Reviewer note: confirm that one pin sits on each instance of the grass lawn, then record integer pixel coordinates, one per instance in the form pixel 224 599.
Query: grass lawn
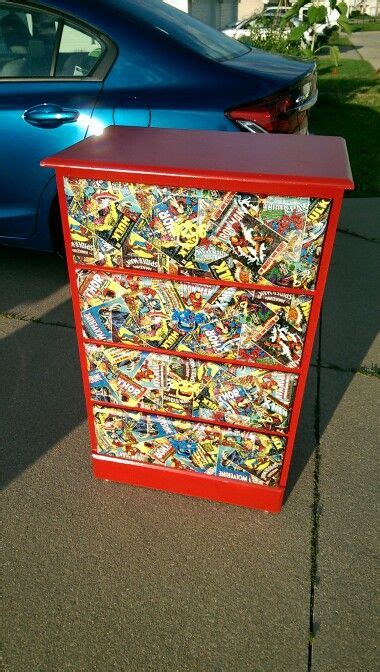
pixel 341 40
pixel 369 25
pixel 349 106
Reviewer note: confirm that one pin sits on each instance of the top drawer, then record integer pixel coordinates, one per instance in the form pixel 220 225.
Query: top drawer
pixel 197 232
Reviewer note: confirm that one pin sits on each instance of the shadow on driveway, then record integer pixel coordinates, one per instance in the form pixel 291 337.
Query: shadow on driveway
pixel 41 382
pixel 41 390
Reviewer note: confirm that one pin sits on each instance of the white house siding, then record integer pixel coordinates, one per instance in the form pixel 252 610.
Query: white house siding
pixel 204 10
pixel 228 13
pixel 179 4
pixel 248 7
pixel 215 12
pixel 369 7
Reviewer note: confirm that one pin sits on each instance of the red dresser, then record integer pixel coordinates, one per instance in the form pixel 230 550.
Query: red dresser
pixel 197 265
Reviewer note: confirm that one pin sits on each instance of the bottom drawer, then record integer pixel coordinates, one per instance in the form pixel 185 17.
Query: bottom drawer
pixel 177 444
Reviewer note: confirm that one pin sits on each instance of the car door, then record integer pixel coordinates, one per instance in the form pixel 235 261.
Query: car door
pixel 51 74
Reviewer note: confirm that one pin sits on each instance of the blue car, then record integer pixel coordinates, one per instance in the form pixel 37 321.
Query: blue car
pixel 68 69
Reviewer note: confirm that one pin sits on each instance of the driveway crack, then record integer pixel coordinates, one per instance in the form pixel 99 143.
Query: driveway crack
pixel 35 320
pixel 359 235
pixel 316 505
pixel 372 370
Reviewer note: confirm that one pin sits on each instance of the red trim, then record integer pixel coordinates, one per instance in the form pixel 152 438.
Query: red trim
pixel 281 186
pixel 189 483
pixel 195 280
pixel 189 418
pixel 310 332
pixel 203 154
pixel 190 355
pixel 183 177
pixel 76 307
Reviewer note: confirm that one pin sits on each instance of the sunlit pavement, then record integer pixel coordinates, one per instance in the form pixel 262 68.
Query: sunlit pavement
pixel 100 576
pixel 367 45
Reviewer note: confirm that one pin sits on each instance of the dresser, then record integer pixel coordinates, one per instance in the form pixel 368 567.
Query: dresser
pixel 197 264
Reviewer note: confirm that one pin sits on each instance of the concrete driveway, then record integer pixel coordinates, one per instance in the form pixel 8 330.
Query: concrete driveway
pixel 367 45
pixel 101 577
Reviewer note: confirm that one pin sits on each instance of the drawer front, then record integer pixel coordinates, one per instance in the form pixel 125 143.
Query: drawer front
pixel 179 444
pixel 185 386
pixel 231 236
pixel 228 322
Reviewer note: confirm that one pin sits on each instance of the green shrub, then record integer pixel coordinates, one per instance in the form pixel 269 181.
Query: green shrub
pixel 274 40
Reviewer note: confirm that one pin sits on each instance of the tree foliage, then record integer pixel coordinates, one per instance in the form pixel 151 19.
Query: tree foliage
pixel 318 13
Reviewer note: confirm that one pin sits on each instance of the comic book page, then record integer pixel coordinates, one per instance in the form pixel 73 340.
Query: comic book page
pixel 268 240
pixel 209 390
pixel 178 444
pixel 228 322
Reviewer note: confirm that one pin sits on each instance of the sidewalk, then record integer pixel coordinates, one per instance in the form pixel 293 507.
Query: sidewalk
pixel 103 577
pixel 365 45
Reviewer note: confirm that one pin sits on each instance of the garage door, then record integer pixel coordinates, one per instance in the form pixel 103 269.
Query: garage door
pixel 217 13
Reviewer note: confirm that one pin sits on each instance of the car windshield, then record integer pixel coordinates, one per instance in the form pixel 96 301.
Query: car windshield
pixel 188 31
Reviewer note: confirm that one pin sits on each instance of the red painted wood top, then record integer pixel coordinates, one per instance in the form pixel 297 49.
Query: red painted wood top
pixel 313 159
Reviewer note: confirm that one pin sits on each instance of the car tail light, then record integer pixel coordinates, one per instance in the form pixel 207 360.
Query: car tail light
pixel 281 113
pixel 265 117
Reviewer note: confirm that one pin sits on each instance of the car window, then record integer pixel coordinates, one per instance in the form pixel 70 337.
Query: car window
pixel 29 46
pixel 78 54
pixel 27 41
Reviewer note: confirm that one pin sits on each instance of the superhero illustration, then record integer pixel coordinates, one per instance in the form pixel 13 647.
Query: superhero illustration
pixel 180 444
pixel 261 326
pixel 263 239
pixel 185 386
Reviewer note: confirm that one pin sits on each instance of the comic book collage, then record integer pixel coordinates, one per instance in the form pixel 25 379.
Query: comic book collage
pixel 149 232
pixel 228 322
pixel 195 446
pixel 185 386
pixel 267 240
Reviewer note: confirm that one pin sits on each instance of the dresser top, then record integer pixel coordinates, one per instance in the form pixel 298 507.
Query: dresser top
pixel 300 159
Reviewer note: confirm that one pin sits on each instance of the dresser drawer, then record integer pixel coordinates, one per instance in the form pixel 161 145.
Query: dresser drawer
pixel 239 395
pixel 211 320
pixel 180 444
pixel 231 236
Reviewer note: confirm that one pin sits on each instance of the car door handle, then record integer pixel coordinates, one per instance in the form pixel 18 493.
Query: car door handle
pixel 49 115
